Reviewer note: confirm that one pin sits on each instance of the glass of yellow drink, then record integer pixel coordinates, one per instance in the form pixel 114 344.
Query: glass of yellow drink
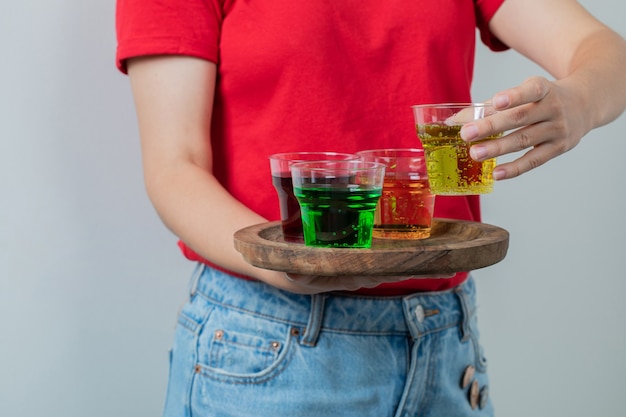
pixel 451 170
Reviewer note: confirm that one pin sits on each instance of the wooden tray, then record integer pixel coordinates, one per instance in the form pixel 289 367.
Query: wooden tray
pixel 453 246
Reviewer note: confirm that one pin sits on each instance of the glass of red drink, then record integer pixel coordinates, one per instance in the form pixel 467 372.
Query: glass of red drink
pixel 405 208
pixel 280 164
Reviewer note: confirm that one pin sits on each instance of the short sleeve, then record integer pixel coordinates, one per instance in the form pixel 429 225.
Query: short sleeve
pixel 167 27
pixel 485 9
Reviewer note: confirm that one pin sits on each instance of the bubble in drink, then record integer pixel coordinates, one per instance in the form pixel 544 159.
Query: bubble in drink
pixel 451 170
pixel 338 216
pixel 404 209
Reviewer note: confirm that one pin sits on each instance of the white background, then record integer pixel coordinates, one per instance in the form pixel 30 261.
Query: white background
pixel 90 280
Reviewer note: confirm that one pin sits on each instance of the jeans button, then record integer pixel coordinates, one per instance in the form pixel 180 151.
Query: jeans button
pixel 468 376
pixel 473 395
pixel 419 313
pixel 484 397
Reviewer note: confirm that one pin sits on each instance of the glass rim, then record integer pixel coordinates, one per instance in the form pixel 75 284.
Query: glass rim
pixel 280 156
pixel 357 165
pixel 450 105
pixel 366 151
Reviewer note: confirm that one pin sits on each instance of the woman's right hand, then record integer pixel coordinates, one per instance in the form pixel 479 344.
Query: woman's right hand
pixel 314 284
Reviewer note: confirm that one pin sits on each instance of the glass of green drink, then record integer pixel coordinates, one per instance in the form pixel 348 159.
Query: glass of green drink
pixel 451 170
pixel 338 201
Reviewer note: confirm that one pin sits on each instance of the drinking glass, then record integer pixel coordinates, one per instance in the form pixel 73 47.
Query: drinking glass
pixel 451 170
pixel 405 208
pixel 281 179
pixel 338 200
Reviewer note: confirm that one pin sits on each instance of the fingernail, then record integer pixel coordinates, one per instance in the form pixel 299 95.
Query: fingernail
pixel 469 132
pixel 498 174
pixel 501 100
pixel 478 153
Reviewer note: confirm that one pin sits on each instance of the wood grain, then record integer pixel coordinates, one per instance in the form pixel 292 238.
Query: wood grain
pixel 453 246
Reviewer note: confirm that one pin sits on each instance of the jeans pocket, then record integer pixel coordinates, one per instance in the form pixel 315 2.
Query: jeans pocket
pixel 237 347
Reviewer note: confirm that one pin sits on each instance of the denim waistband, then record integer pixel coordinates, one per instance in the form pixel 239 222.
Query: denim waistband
pixel 417 314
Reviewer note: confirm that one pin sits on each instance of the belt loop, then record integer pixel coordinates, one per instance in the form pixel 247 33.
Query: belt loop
pixel 316 316
pixel 462 295
pixel 195 277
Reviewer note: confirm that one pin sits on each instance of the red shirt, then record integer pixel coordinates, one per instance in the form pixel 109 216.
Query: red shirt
pixel 312 75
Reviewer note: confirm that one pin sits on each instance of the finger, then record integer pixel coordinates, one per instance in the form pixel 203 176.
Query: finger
pixel 504 121
pixel 532 159
pixel 524 138
pixel 312 284
pixel 439 276
pixel 515 141
pixel 321 283
pixel 518 107
pixel 530 91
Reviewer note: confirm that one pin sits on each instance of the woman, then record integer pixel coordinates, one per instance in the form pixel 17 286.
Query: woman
pixel 221 85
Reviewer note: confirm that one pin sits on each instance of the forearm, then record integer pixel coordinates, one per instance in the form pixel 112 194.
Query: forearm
pixel 582 54
pixel 197 209
pixel 173 97
pixel 598 72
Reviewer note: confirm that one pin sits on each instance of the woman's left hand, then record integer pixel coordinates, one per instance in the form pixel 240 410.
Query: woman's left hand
pixel 544 118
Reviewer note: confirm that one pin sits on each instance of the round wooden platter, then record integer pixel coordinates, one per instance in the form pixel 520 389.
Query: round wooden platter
pixel 453 246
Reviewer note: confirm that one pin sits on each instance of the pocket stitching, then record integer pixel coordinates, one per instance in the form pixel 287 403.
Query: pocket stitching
pixel 267 374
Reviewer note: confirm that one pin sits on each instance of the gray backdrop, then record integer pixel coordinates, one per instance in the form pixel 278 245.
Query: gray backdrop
pixel 90 281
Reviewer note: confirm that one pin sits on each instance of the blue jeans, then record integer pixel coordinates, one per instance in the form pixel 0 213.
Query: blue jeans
pixel 243 348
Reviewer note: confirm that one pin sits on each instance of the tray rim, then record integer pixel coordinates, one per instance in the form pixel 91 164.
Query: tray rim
pixel 498 239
